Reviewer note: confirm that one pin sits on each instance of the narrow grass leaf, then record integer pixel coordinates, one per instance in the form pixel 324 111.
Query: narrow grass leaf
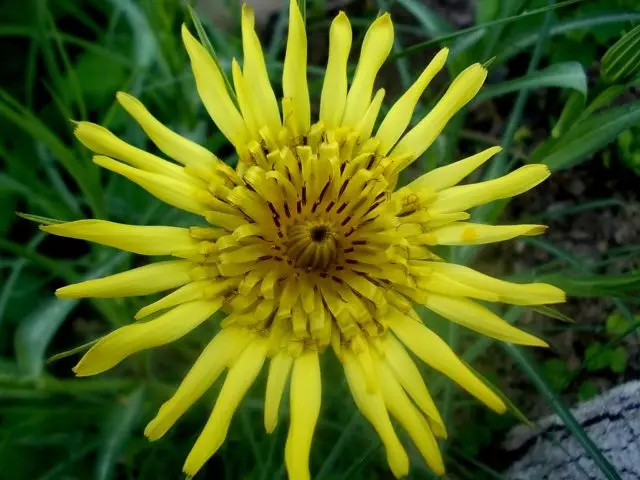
pixel 552 313
pixel 561 75
pixel 116 431
pixel 531 370
pixel 589 136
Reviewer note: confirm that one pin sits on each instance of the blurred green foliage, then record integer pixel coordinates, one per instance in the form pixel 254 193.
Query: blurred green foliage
pixel 65 59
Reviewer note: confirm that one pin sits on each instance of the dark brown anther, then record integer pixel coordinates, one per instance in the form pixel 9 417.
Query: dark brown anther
pixel 359 242
pixel 345 221
pixel 286 210
pixel 342 207
pixel 349 250
pixel 299 207
pixel 330 206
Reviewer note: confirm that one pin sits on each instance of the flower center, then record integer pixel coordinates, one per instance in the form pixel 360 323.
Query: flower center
pixel 312 245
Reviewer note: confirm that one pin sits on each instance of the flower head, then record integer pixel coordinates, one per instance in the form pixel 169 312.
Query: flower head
pixel 308 246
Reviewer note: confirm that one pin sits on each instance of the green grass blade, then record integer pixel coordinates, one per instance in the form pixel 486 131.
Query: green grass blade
pixel 587 137
pixel 116 430
pixel 443 38
pixel 530 368
pixel 562 75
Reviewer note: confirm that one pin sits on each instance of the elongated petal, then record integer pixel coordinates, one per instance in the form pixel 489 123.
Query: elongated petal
pixel 213 92
pixel 432 350
pixel 463 197
pixel 373 408
pixel 121 343
pixel 365 127
pixel 476 317
pixel 409 376
pixel 375 49
pixel 143 240
pixel 178 193
pixel 100 140
pixel 334 87
pixel 466 233
pixel 217 355
pixel 410 418
pixel 450 175
pixel 152 278
pixel 188 293
pixel 420 137
pixel 508 292
pixel 294 77
pixel 175 146
pixel 439 283
pixel 249 112
pixel 279 369
pixel 400 114
pixel 240 377
pixel 258 87
pixel 305 398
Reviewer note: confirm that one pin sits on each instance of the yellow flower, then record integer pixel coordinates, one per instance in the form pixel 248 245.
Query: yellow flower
pixel 308 247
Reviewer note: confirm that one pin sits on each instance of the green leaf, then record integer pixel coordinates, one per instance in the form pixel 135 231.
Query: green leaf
pixel 72 351
pixel 622 61
pixel 556 373
pixel 552 313
pixel 587 391
pixel 597 356
pixel 572 110
pixel 116 430
pixel 563 75
pixel 587 137
pixel 618 359
pixel 39 219
pixel 531 370
pixel 432 23
pixel 36 331
pixel 617 324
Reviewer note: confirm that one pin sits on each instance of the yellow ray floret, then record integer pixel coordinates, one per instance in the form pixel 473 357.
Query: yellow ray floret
pixel 307 246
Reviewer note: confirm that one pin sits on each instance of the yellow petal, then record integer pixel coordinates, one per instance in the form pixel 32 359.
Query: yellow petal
pixel 304 408
pixel 175 146
pixel 432 350
pixel 476 317
pixel 463 197
pixel 406 372
pixel 152 278
pixel 373 408
pixel 260 94
pixel 450 175
pixel 213 92
pixel 420 137
pixel 439 283
pixel 100 140
pixel 279 369
pixel 334 87
pixel 220 352
pixel 365 127
pixel 513 293
pixel 466 233
pixel 240 377
pixel 143 240
pixel 249 112
pixel 294 76
pixel 400 114
pixel 188 293
pixel 121 343
pixel 375 49
pixel 178 193
pixel 411 420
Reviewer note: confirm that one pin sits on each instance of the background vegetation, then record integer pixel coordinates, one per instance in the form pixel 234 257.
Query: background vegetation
pixel 557 93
